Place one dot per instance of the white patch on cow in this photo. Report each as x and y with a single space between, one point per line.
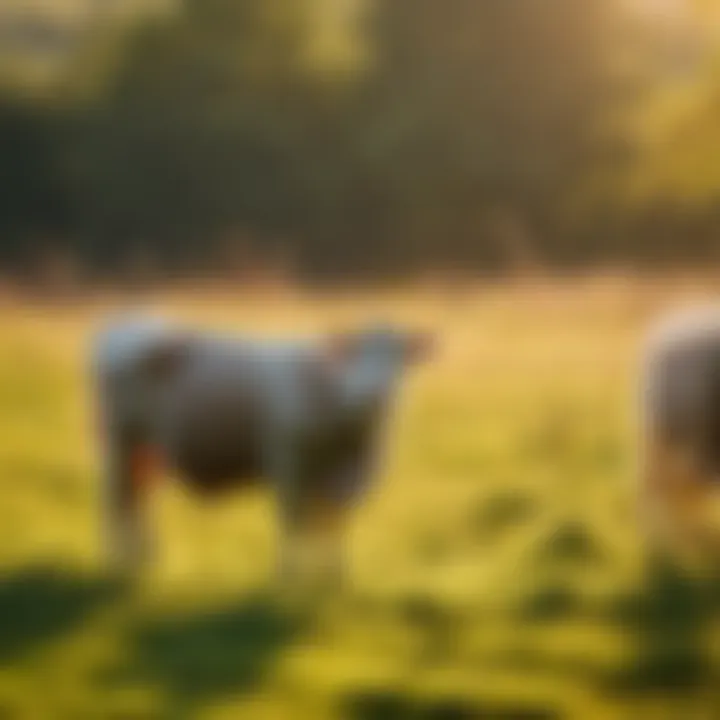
124 340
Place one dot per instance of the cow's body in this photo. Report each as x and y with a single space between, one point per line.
681 427
223 412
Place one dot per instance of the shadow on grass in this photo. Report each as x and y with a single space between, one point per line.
670 620
390 705
40 604
571 544
204 656
501 513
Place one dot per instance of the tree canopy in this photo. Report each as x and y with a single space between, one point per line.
369 137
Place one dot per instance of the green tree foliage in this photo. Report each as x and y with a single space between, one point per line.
195 132
33 195
678 135
495 107
363 136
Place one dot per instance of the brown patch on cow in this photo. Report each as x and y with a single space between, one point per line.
166 359
681 497
217 445
145 467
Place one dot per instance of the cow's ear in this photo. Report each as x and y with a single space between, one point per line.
166 357
340 346
420 346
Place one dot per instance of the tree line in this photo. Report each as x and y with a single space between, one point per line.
368 139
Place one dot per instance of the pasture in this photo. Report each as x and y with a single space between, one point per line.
496 570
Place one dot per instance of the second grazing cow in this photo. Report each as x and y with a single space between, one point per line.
681 430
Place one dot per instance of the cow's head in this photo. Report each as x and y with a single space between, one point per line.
370 361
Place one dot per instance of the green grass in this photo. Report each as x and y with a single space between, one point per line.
495 569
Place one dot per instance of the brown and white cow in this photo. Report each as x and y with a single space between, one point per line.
680 432
304 415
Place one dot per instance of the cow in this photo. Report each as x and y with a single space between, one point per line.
306 416
680 433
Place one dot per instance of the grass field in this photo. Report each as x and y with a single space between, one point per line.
495 570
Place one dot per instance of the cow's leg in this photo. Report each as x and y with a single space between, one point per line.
676 497
127 474
291 540
342 491
282 467
332 530
652 505
310 527
702 521
665 469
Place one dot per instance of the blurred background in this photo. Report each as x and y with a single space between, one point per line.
362 138
536 180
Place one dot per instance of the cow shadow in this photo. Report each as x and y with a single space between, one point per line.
40 604
397 705
670 618
200 657
194 658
